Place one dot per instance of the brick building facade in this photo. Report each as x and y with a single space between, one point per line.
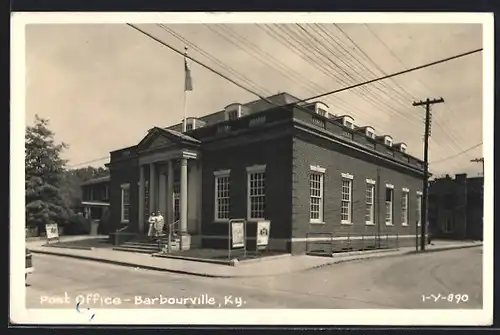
300 167
456 207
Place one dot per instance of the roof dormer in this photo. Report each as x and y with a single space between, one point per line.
401 147
319 108
194 123
348 121
368 131
233 111
387 140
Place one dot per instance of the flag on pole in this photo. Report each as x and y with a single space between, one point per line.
188 81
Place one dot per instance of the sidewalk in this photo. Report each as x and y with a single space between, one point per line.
271 267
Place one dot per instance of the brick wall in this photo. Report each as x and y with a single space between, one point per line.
276 155
336 160
123 173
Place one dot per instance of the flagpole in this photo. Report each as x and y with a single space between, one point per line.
184 122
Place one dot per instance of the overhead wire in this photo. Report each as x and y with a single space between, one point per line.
313 97
456 138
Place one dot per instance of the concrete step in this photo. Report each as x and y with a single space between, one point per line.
142 251
142 247
140 243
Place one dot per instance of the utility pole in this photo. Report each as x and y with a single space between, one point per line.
479 160
427 103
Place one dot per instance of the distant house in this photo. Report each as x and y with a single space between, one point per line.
456 207
95 197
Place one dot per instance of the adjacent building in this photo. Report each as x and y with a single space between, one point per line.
308 171
456 207
95 197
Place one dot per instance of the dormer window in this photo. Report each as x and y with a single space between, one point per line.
232 115
233 112
401 147
388 141
370 133
189 126
321 112
348 122
319 108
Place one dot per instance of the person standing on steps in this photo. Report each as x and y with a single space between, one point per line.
152 221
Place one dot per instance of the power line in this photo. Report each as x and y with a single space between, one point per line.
199 63
394 74
88 162
452 136
459 154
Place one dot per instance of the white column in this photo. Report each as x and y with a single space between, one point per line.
183 197
162 197
142 190
152 188
170 193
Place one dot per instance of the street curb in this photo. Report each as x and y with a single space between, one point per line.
232 262
206 275
444 249
146 267
67 247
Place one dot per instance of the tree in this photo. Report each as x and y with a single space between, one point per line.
44 177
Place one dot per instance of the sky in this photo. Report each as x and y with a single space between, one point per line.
102 86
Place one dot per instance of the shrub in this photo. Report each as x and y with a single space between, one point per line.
78 225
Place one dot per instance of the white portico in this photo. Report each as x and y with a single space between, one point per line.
170 179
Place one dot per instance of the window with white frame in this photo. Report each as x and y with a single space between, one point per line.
346 204
388 141
369 207
125 208
404 207
321 112
256 192
316 194
222 195
419 208
389 197
370 134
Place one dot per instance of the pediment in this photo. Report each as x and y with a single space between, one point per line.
161 138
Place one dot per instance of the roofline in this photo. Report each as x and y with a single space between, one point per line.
97 180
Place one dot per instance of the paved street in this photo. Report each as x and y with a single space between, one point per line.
393 282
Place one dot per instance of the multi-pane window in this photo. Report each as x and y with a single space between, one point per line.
389 192
419 209
404 208
222 195
189 126
369 208
256 192
232 115
316 182
346 204
125 208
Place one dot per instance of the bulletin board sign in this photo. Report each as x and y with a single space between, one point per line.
52 232
263 230
237 229
237 234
